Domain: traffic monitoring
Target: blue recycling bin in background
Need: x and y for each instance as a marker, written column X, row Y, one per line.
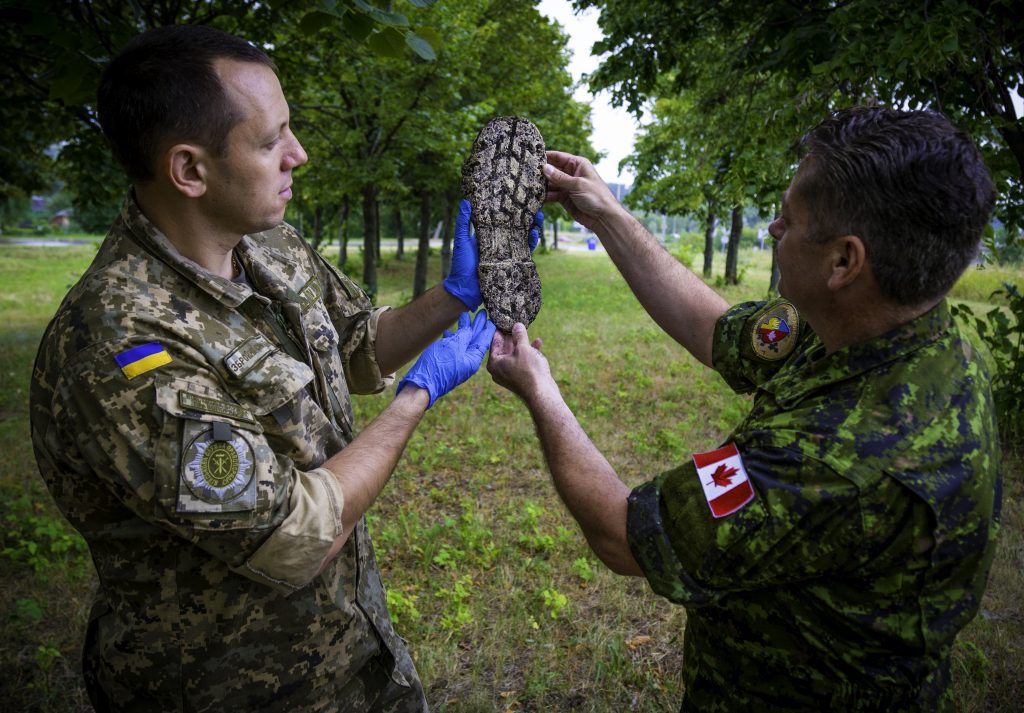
column 591, row 243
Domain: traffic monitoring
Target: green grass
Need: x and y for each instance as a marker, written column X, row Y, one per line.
column 488, row 576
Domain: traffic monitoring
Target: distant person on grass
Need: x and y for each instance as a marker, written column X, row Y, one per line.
column 191, row 413
column 830, row 549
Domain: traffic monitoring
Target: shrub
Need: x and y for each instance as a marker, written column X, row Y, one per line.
column 1004, row 337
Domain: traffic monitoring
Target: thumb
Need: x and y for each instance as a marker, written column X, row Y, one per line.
column 520, row 339
column 557, row 178
column 462, row 219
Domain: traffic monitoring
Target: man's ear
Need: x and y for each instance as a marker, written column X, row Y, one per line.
column 185, row 165
column 848, row 260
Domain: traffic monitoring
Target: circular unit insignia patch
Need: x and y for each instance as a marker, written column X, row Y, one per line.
column 775, row 331
column 217, row 471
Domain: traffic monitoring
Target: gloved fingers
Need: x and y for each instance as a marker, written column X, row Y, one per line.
column 483, row 330
column 463, row 321
column 479, row 321
column 483, row 333
column 538, row 226
column 462, row 219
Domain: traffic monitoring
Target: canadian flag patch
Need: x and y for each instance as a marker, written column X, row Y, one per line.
column 724, row 479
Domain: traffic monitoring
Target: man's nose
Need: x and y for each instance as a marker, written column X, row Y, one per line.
column 296, row 156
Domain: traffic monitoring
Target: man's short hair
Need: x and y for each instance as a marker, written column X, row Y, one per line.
column 908, row 183
column 162, row 88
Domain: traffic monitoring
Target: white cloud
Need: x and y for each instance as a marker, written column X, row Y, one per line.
column 614, row 128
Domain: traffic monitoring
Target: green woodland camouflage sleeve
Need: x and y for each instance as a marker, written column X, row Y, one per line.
column 805, row 520
column 732, row 345
column 159, row 439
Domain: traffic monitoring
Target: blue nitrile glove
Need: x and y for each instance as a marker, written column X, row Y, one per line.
column 538, row 227
column 462, row 281
column 451, row 359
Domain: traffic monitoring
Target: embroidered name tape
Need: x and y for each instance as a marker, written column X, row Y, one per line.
column 145, row 357
column 244, row 358
column 195, row 402
column 310, row 293
column 726, row 485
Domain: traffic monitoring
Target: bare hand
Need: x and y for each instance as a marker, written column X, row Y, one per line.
column 517, row 364
column 574, row 182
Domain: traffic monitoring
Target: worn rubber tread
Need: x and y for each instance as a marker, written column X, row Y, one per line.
column 504, row 181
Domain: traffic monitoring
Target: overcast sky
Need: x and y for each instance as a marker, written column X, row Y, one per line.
column 613, row 128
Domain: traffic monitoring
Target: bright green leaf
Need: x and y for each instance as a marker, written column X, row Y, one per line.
column 315, row 21
column 432, row 36
column 389, row 42
column 393, row 19
column 420, row 46
column 357, row 25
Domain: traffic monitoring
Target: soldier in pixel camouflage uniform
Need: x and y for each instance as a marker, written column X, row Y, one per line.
column 191, row 414
column 830, row 550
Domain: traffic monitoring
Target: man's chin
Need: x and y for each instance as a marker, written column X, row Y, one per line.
column 267, row 224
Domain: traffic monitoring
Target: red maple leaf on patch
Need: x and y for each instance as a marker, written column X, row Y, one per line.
column 722, row 475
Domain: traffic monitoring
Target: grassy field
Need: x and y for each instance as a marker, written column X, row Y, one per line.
column 488, row 577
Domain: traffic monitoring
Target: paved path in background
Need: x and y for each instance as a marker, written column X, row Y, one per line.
column 56, row 242
column 46, row 242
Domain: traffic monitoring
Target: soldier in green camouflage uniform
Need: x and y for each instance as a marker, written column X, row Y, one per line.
column 830, row 550
column 191, row 417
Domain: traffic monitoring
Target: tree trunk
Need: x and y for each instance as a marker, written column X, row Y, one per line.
column 709, row 240
column 732, row 276
column 446, row 236
column 318, row 226
column 399, row 232
column 369, row 238
column 343, row 233
column 419, row 282
column 376, row 236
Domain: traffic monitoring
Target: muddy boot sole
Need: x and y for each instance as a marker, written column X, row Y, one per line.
column 503, row 178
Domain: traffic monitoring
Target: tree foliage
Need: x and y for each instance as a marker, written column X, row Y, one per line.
column 386, row 102
column 53, row 51
column 809, row 57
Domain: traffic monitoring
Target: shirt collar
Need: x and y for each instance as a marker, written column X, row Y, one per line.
column 813, row 369
column 156, row 243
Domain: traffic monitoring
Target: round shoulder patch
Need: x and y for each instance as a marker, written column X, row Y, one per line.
column 775, row 331
column 217, row 471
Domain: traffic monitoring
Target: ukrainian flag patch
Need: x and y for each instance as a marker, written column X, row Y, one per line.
column 145, row 357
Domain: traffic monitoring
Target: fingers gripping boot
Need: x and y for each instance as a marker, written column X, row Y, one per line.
column 504, row 181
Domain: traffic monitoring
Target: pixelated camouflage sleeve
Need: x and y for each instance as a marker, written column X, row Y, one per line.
column 805, row 520
column 175, row 448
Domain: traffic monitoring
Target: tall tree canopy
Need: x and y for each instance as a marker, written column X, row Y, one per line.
column 386, row 103
column 809, row 57
column 52, row 53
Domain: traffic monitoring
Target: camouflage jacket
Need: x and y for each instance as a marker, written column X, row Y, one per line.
column 179, row 420
column 867, row 539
